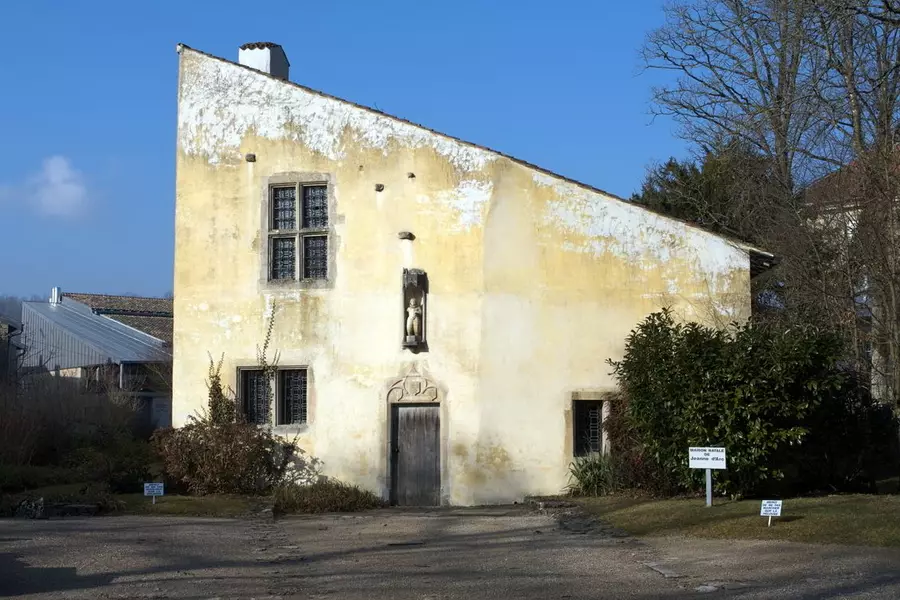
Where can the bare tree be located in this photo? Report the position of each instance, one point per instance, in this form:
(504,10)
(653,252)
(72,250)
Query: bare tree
(811,85)
(745,70)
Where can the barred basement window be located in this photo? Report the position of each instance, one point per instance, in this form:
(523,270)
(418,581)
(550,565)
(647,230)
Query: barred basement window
(255,395)
(298,248)
(285,392)
(292,392)
(588,418)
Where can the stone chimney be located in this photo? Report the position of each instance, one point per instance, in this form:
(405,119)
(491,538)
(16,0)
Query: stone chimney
(267,57)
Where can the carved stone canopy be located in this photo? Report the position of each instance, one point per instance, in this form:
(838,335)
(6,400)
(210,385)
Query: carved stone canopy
(413,387)
(414,278)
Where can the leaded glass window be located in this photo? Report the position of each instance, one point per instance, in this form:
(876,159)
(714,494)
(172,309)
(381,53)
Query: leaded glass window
(284,258)
(588,417)
(315,257)
(315,207)
(298,232)
(255,395)
(284,208)
(293,397)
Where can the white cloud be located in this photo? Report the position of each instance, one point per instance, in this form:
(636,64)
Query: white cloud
(57,190)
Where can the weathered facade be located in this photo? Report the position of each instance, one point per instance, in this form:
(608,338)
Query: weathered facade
(330,218)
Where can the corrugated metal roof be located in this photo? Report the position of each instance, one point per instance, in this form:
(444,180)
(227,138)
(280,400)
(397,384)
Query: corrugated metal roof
(69,334)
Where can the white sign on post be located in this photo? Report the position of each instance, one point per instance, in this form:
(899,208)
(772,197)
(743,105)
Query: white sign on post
(770,508)
(154,490)
(707,458)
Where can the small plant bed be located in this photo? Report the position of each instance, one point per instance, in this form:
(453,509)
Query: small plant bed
(324,496)
(853,519)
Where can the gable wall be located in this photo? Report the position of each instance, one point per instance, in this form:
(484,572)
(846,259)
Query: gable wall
(534,281)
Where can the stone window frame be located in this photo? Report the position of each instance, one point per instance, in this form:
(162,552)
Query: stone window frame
(276,401)
(589,396)
(299,179)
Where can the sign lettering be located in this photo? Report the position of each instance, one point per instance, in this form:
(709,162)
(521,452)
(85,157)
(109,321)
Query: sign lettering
(770,508)
(707,458)
(153,489)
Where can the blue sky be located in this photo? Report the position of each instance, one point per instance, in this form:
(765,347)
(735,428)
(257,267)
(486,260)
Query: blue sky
(88,110)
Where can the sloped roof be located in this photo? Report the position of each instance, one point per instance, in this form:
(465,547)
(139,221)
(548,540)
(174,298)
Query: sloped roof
(153,316)
(761,259)
(108,338)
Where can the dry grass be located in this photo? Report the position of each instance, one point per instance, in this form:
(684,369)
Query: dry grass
(324,496)
(194,506)
(138,504)
(866,520)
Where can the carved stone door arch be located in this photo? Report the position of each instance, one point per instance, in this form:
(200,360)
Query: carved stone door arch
(414,402)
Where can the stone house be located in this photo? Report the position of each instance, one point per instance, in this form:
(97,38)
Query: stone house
(105,342)
(442,312)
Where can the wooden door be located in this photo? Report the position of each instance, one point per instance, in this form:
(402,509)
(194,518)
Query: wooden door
(416,455)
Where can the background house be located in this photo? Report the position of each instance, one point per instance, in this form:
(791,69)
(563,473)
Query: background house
(443,313)
(101,340)
(10,348)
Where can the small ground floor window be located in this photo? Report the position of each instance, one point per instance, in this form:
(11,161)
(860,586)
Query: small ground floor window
(588,421)
(284,394)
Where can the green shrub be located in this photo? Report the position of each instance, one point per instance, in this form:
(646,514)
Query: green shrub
(775,398)
(596,475)
(325,495)
(20,478)
(637,470)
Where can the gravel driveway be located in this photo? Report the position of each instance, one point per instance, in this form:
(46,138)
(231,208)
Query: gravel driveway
(494,553)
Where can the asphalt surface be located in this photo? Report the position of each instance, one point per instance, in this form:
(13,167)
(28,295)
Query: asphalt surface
(494,553)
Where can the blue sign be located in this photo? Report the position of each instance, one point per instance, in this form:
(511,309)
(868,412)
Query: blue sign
(153,489)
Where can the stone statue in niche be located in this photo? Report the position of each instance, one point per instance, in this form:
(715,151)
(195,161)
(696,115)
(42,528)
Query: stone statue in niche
(414,292)
(413,320)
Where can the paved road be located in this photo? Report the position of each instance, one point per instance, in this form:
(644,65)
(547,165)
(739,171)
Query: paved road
(495,553)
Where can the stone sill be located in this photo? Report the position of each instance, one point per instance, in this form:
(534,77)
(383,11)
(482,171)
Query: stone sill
(285,430)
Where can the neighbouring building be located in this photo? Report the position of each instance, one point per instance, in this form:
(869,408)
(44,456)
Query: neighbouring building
(102,340)
(10,348)
(442,312)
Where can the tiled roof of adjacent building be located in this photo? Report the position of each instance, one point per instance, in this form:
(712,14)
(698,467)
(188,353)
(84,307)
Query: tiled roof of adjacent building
(152,316)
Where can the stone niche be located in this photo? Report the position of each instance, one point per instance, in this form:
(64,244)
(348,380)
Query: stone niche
(415,309)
